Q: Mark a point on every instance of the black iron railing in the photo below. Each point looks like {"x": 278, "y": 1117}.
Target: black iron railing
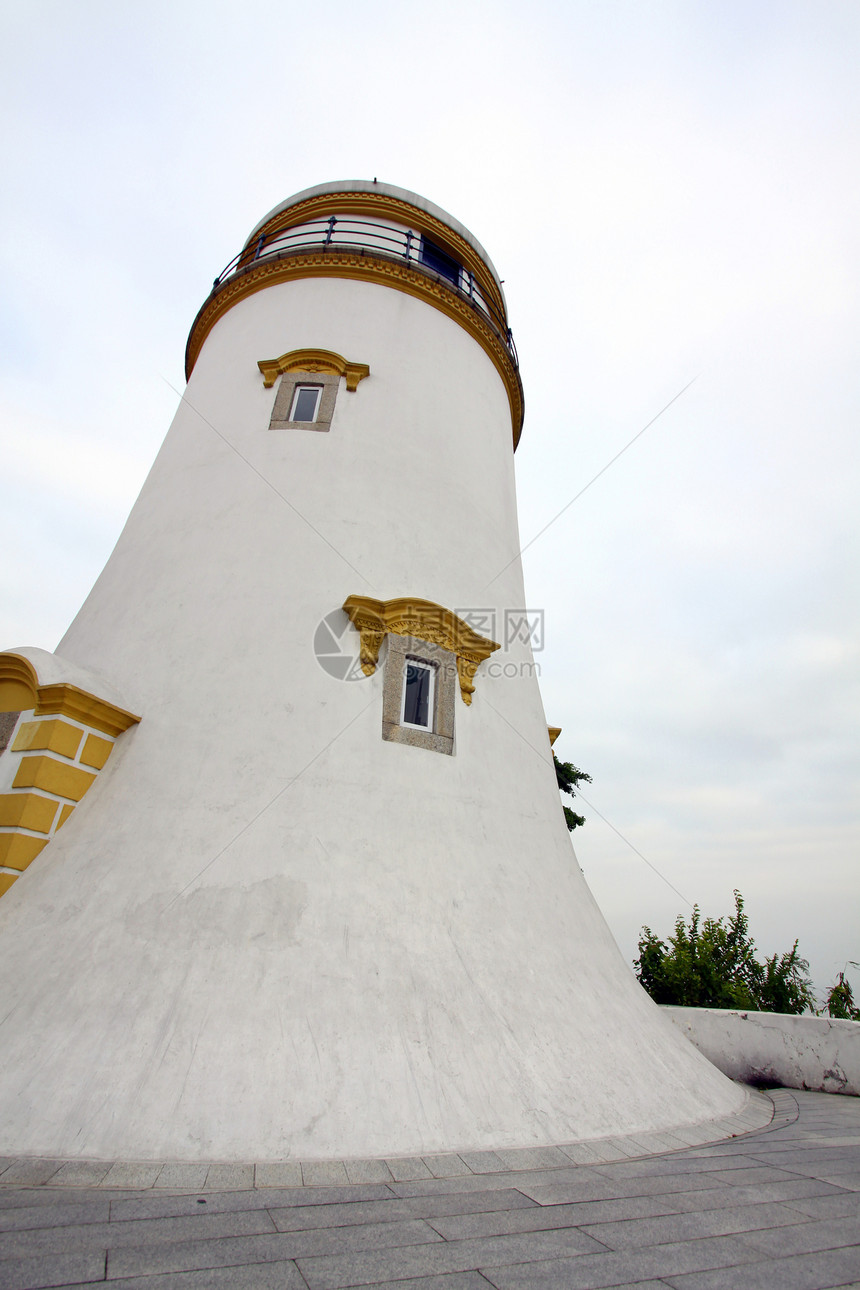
{"x": 381, "y": 241}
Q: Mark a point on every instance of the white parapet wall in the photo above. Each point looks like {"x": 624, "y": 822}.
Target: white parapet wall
{"x": 770, "y": 1047}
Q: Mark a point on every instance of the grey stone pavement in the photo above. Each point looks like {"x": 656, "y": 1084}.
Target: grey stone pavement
{"x": 775, "y": 1207}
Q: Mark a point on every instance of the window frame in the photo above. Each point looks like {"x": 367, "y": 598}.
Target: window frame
{"x": 288, "y": 386}
{"x": 399, "y": 652}
{"x": 304, "y": 388}
{"x": 430, "y": 668}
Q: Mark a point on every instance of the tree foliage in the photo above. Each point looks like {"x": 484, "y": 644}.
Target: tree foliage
{"x": 713, "y": 964}
{"x": 569, "y": 779}
{"x": 840, "y": 1001}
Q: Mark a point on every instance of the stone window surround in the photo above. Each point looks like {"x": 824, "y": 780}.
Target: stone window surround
{"x": 398, "y": 650}
{"x": 328, "y": 384}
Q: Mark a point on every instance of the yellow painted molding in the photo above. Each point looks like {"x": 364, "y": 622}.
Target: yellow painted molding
{"x": 27, "y": 811}
{"x": 49, "y": 736}
{"x": 52, "y": 776}
{"x": 96, "y": 751}
{"x": 65, "y": 812}
{"x": 6, "y": 880}
{"x": 83, "y": 707}
{"x": 313, "y": 360}
{"x": 384, "y": 206}
{"x": 424, "y": 619}
{"x": 19, "y": 686}
{"x": 17, "y": 850}
{"x": 18, "y": 681}
{"x": 554, "y": 732}
{"x": 347, "y": 264}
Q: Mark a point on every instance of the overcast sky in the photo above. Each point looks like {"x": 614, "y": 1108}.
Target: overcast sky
{"x": 670, "y": 191}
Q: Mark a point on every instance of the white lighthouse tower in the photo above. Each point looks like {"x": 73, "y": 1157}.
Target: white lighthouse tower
{"x": 286, "y": 870}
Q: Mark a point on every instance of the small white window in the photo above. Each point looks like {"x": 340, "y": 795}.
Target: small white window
{"x": 419, "y": 685}
{"x": 306, "y": 402}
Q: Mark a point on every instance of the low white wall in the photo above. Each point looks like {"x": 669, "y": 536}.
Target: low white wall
{"x": 771, "y": 1047}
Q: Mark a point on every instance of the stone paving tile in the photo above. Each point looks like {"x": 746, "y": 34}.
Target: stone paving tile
{"x": 335, "y": 1270}
{"x": 52, "y": 1270}
{"x": 446, "y": 1166}
{"x": 850, "y": 1181}
{"x": 80, "y": 1173}
{"x": 476, "y": 1202}
{"x": 229, "y": 1177}
{"x": 596, "y": 1187}
{"x": 483, "y": 1162}
{"x": 533, "y": 1158}
{"x": 154, "y": 1232}
{"x": 579, "y": 1153}
{"x": 671, "y": 1228}
{"x": 287, "y": 1174}
{"x": 458, "y": 1226}
{"x": 447, "y": 1281}
{"x": 308, "y": 1217}
{"x": 323, "y": 1173}
{"x": 31, "y": 1173}
{"x": 808, "y": 1236}
{"x": 622, "y": 1268}
{"x": 408, "y": 1168}
{"x": 195, "y": 1255}
{"x": 797, "y": 1192}
{"x": 754, "y": 1174}
{"x": 183, "y": 1204}
{"x": 250, "y": 1276}
{"x": 801, "y": 1272}
{"x": 182, "y": 1175}
{"x": 359, "y": 1171}
{"x": 129, "y": 1174}
{"x": 834, "y": 1205}
{"x": 61, "y": 1214}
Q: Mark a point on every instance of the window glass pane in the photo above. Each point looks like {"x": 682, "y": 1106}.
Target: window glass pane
{"x": 305, "y": 403}
{"x": 416, "y": 699}
{"x": 439, "y": 261}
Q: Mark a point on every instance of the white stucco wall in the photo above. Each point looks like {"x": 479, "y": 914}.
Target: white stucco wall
{"x": 816, "y": 1053}
{"x": 266, "y": 931}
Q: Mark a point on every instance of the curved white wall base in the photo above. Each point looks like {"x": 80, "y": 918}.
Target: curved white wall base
{"x": 816, "y": 1053}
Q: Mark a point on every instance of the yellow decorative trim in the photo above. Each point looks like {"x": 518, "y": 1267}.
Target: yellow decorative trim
{"x": 27, "y": 811}
{"x": 96, "y": 751}
{"x": 64, "y": 815}
{"x": 408, "y": 616}
{"x": 48, "y": 736}
{"x": 383, "y": 206}
{"x": 554, "y": 732}
{"x": 6, "y": 880}
{"x": 17, "y": 850}
{"x": 48, "y": 748}
{"x": 19, "y": 686}
{"x": 313, "y": 360}
{"x": 53, "y": 776}
{"x": 346, "y": 264}
{"x": 83, "y": 707}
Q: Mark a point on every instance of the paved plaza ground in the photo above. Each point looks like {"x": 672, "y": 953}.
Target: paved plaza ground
{"x": 776, "y": 1207}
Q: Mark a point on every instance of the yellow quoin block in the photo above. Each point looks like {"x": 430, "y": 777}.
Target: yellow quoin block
{"x": 27, "y": 811}
{"x": 53, "y": 777}
{"x": 53, "y": 736}
{"x": 6, "y": 880}
{"x": 17, "y": 850}
{"x": 65, "y": 812}
{"x": 96, "y": 751}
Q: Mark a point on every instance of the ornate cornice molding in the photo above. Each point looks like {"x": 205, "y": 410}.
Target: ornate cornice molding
{"x": 20, "y": 690}
{"x": 425, "y": 620}
{"x": 364, "y": 268}
{"x": 313, "y": 360}
{"x": 383, "y": 206}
